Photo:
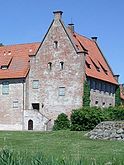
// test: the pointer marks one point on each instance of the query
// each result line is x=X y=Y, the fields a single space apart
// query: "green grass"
x=64 y=145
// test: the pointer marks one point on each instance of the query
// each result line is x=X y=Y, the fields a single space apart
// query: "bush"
x=86 y=118
x=114 y=113
x=62 y=122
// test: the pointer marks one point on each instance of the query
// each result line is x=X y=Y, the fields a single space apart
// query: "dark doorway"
x=36 y=106
x=30 y=125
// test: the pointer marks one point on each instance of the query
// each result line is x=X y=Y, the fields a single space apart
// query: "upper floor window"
x=61 y=65
x=50 y=65
x=4 y=67
x=15 y=104
x=5 y=88
x=61 y=91
x=35 y=84
x=55 y=44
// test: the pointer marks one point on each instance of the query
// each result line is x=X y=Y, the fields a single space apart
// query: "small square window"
x=5 y=88
x=35 y=84
x=61 y=91
x=15 y=104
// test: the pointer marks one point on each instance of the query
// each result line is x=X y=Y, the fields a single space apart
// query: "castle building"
x=38 y=81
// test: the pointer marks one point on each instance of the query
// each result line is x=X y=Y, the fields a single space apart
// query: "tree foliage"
x=86 y=95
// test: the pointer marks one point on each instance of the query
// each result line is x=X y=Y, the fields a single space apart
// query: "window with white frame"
x=5 y=88
x=61 y=91
x=35 y=84
x=15 y=104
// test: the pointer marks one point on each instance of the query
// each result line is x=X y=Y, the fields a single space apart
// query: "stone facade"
x=65 y=73
x=102 y=94
x=109 y=130
x=12 y=104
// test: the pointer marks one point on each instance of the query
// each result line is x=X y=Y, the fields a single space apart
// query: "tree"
x=86 y=96
x=117 y=97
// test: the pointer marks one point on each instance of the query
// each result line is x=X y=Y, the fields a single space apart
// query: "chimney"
x=57 y=15
x=116 y=77
x=71 y=27
x=94 y=39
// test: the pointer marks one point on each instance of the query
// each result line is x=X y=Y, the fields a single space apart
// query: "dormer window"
x=98 y=69
x=55 y=44
x=88 y=65
x=9 y=52
x=4 y=67
x=50 y=65
x=61 y=65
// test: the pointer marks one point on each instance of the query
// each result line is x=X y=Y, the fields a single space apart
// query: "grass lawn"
x=64 y=145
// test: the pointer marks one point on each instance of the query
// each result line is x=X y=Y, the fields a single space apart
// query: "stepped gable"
x=14 y=60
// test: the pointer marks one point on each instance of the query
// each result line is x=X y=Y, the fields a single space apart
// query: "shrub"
x=62 y=122
x=114 y=113
x=86 y=118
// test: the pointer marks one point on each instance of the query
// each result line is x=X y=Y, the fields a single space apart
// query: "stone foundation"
x=110 y=130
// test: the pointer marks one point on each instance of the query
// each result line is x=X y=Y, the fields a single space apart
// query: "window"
x=50 y=65
x=61 y=65
x=4 y=67
x=5 y=88
x=103 y=104
x=96 y=103
x=88 y=65
x=61 y=91
x=15 y=104
x=55 y=44
x=35 y=106
x=35 y=84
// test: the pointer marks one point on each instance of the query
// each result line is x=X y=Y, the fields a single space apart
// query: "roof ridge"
x=20 y=44
x=84 y=36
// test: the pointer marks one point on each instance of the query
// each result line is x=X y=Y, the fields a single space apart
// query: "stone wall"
x=69 y=77
x=110 y=130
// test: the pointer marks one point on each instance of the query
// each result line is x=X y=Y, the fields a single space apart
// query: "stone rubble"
x=108 y=130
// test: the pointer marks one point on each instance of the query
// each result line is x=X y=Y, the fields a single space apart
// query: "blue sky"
x=25 y=21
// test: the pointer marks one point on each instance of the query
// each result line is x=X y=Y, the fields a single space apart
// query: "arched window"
x=50 y=65
x=61 y=65
x=30 y=125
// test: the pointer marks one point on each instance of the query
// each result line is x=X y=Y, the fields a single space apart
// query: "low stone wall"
x=111 y=130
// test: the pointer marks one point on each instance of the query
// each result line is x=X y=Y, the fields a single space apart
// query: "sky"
x=26 y=21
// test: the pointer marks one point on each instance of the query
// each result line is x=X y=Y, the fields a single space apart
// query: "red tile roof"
x=96 y=65
x=16 y=57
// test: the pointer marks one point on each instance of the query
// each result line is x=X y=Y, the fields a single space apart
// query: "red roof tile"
x=99 y=67
x=17 y=57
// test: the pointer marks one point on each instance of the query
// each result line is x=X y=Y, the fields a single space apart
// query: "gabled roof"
x=96 y=65
x=16 y=58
